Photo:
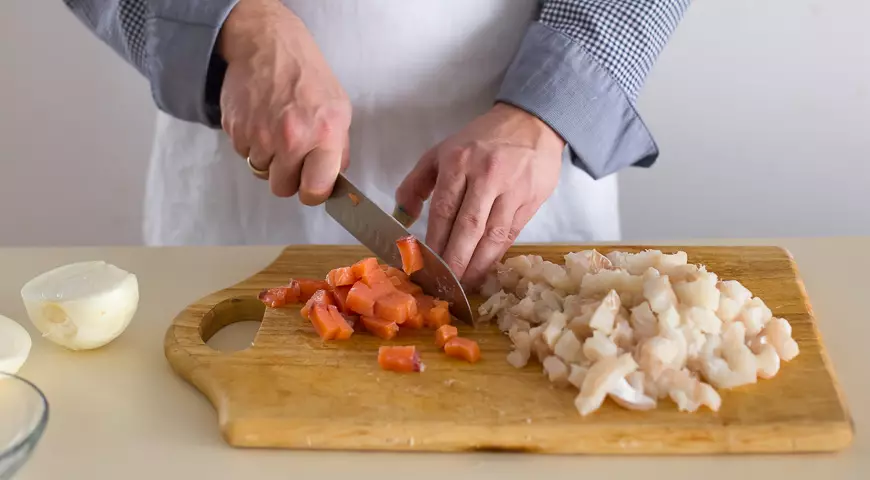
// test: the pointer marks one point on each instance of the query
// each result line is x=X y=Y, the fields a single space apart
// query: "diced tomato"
x=414 y=322
x=438 y=315
x=375 y=277
x=424 y=303
x=383 y=288
x=400 y=359
x=340 y=296
x=395 y=281
x=463 y=348
x=354 y=198
x=323 y=322
x=412 y=257
x=340 y=277
x=320 y=297
x=344 y=329
x=444 y=334
x=307 y=287
x=409 y=288
x=363 y=267
x=355 y=321
x=396 y=307
x=274 y=297
x=280 y=296
x=361 y=299
x=380 y=328
x=395 y=273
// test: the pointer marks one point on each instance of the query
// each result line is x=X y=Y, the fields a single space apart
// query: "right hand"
x=281 y=104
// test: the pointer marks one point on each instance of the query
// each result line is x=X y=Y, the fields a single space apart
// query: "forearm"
x=580 y=68
x=169 y=42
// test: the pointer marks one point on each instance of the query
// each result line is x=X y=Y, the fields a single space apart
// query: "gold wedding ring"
x=264 y=174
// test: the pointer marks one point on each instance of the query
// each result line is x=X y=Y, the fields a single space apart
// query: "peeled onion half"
x=14 y=345
x=82 y=305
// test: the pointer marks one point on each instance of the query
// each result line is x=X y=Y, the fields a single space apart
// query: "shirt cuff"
x=554 y=78
x=181 y=61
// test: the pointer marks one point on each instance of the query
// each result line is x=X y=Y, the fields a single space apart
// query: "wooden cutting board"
x=290 y=390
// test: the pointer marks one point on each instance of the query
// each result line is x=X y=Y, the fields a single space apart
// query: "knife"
x=378 y=231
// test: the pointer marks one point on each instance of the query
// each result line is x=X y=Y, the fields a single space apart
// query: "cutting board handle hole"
x=232 y=325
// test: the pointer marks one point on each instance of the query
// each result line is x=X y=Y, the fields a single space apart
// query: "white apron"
x=415 y=71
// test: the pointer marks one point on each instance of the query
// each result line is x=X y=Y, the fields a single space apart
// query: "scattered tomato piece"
x=307 y=287
x=412 y=257
x=320 y=297
x=400 y=359
x=410 y=288
x=444 y=334
x=339 y=294
x=463 y=348
x=344 y=329
x=375 y=277
x=361 y=299
x=354 y=199
x=280 y=296
x=323 y=322
x=415 y=322
x=340 y=277
x=396 y=307
x=438 y=315
x=395 y=273
x=363 y=267
x=380 y=328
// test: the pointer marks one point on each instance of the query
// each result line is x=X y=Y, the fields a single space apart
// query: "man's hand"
x=281 y=104
x=488 y=180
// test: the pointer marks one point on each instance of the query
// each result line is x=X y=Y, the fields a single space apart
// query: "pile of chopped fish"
x=635 y=327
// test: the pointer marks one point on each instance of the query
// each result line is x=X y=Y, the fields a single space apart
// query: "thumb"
x=415 y=189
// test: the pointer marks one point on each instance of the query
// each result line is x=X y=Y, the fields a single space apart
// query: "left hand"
x=488 y=180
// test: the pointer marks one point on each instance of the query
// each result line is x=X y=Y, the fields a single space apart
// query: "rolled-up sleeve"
x=579 y=69
x=171 y=43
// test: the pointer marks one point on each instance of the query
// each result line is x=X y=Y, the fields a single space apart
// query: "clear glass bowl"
x=23 y=417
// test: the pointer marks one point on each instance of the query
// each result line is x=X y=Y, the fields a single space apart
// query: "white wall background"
x=759 y=106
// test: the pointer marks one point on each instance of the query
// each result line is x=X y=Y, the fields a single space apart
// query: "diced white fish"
x=778 y=332
x=657 y=291
x=495 y=304
x=596 y=285
x=605 y=315
x=701 y=292
x=623 y=335
x=576 y=374
x=643 y=321
x=569 y=348
x=629 y=397
x=734 y=290
x=553 y=330
x=600 y=379
x=556 y=370
x=599 y=346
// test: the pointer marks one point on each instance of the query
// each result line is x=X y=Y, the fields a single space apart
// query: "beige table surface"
x=120 y=413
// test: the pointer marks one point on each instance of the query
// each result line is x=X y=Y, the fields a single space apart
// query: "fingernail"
x=403 y=217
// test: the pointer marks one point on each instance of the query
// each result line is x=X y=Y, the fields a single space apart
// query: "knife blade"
x=378 y=231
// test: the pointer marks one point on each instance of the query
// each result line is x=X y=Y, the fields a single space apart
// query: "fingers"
x=319 y=171
x=284 y=174
x=417 y=186
x=241 y=144
x=469 y=225
x=446 y=201
x=500 y=232
x=261 y=156
x=345 y=153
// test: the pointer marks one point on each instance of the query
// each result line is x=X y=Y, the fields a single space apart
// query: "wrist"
x=247 y=23
x=540 y=134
